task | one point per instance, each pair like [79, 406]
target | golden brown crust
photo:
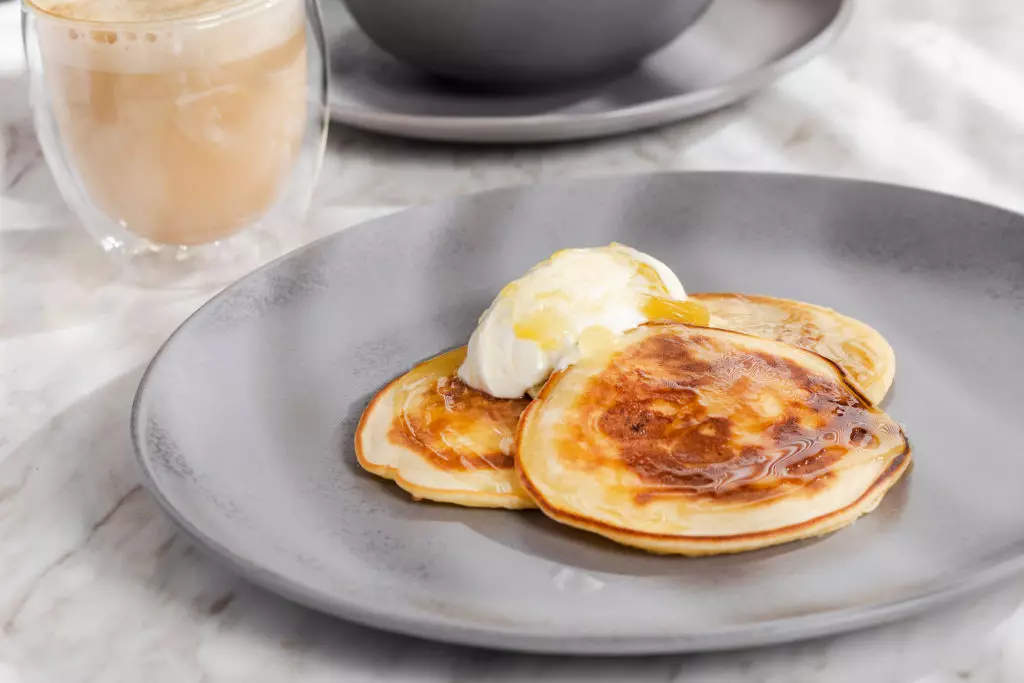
[864, 354]
[881, 485]
[704, 544]
[451, 406]
[415, 467]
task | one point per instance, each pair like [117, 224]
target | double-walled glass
[186, 135]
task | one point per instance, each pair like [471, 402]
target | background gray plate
[736, 48]
[244, 422]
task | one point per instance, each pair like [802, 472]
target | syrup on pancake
[451, 424]
[701, 441]
[863, 354]
[442, 440]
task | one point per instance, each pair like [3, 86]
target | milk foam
[153, 36]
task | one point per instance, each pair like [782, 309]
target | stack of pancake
[759, 429]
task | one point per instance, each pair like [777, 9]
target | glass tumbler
[186, 135]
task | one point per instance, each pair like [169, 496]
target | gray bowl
[523, 42]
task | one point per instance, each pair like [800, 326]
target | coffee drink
[182, 119]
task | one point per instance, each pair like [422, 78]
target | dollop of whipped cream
[533, 327]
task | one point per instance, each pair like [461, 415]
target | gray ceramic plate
[244, 422]
[736, 48]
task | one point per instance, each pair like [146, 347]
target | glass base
[191, 267]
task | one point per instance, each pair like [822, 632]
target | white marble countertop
[95, 585]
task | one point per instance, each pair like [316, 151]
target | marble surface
[95, 585]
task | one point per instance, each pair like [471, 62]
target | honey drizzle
[453, 425]
[548, 327]
[660, 308]
[805, 428]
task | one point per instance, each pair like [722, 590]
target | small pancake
[858, 349]
[700, 441]
[442, 440]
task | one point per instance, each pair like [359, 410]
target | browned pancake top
[691, 416]
[798, 325]
[451, 424]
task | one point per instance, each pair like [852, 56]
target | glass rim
[240, 8]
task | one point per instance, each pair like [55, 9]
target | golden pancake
[859, 350]
[698, 441]
[442, 440]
